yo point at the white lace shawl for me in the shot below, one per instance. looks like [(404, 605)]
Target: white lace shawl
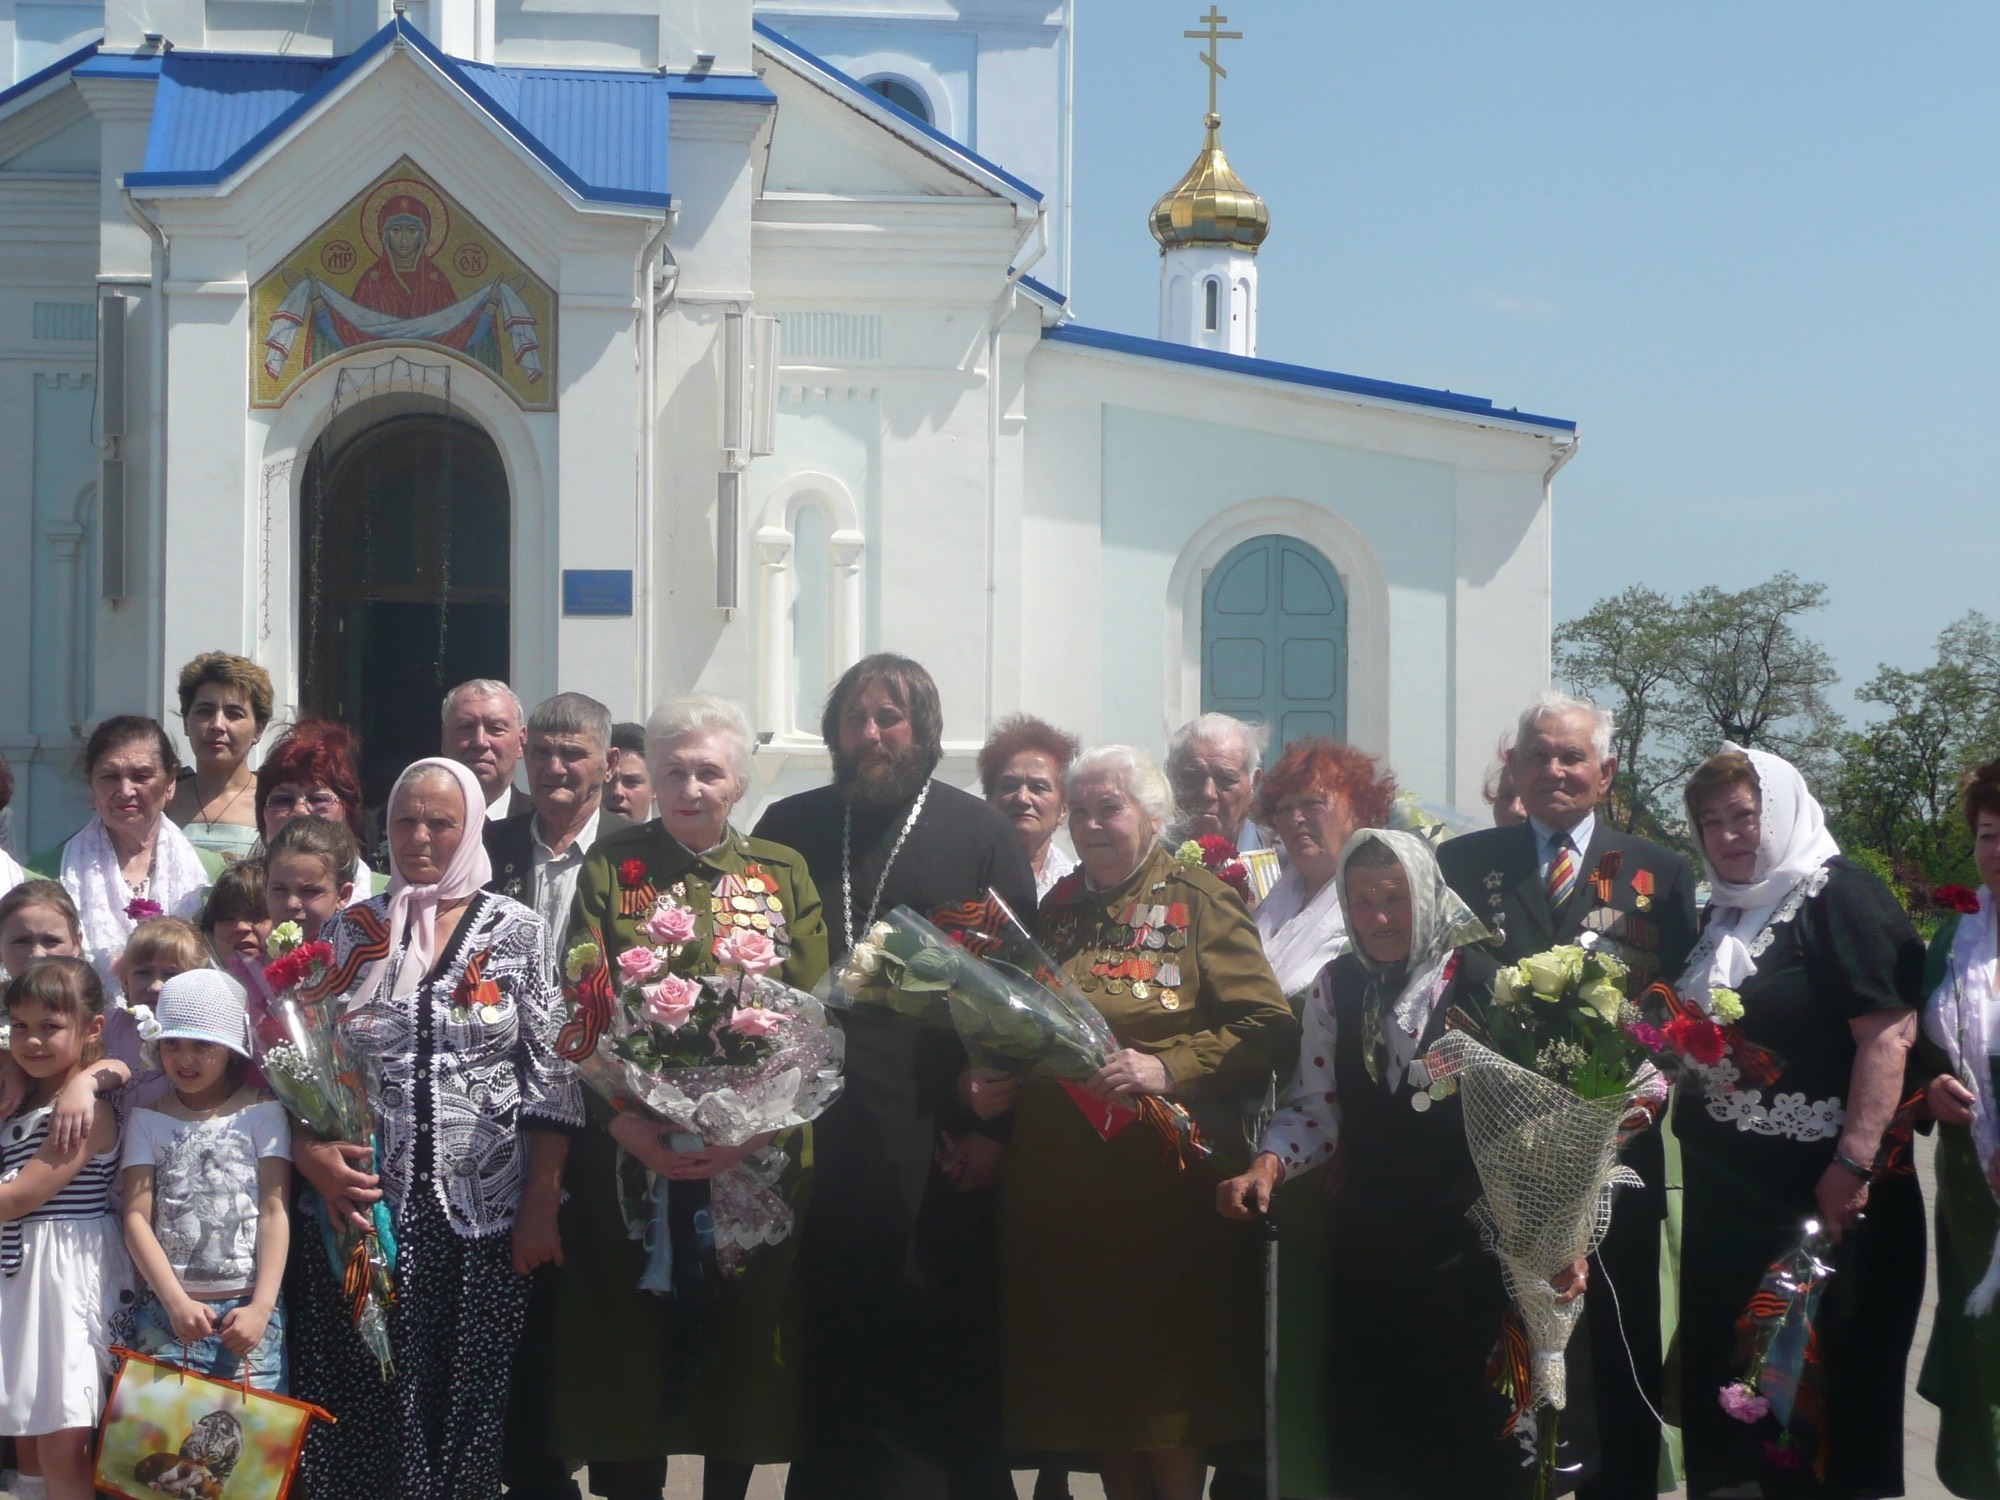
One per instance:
[(90, 873)]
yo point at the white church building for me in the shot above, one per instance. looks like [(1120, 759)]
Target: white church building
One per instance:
[(641, 346)]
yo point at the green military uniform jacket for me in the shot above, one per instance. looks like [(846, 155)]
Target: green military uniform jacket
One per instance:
[(609, 1362)]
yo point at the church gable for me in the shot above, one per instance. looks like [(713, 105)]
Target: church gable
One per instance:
[(53, 133), (829, 140), (403, 262)]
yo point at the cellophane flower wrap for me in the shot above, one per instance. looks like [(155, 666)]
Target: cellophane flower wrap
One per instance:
[(1013, 1007), (1552, 1082), (693, 1029), (333, 1089), (1777, 1343)]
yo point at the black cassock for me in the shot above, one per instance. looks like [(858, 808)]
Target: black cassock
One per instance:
[(901, 1343), (1643, 910)]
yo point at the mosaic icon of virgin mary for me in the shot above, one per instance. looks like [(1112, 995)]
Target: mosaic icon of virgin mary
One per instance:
[(405, 282), (415, 242)]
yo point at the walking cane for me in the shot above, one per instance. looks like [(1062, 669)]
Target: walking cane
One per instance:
[(1270, 1229)]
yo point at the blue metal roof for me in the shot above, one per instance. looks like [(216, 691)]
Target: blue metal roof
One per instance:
[(1271, 369), (873, 100), (603, 132), (53, 71), (1043, 290)]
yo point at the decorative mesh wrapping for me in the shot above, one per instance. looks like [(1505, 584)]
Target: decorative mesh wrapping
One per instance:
[(1548, 1160)]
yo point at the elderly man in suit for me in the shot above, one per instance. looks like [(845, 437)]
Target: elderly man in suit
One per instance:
[(1565, 876)]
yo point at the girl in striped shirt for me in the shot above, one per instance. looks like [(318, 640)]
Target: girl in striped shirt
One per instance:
[(63, 1266)]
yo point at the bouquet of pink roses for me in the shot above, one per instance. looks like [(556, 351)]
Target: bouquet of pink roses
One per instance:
[(696, 1032)]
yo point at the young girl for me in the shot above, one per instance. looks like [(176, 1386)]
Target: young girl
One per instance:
[(206, 1174), (63, 1268), (309, 873), (38, 920), (234, 920), (159, 948)]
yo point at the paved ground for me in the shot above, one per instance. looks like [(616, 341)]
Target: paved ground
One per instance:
[(1920, 1424), (1919, 1418)]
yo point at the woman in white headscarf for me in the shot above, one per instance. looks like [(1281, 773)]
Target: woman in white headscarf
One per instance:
[(451, 989), (1825, 968), (1417, 1303)]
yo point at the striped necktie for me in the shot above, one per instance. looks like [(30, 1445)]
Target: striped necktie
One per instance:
[(1562, 872)]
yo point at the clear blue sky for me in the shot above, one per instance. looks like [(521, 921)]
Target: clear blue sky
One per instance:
[(1753, 249)]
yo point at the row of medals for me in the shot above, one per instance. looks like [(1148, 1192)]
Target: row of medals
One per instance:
[(1123, 960), (749, 901)]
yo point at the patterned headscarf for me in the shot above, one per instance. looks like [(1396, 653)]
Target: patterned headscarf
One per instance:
[(1440, 924)]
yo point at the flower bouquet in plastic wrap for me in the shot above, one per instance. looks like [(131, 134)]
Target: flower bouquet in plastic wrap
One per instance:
[(1013, 1007), (697, 1033), (1777, 1344), (1553, 1081), (330, 1088)]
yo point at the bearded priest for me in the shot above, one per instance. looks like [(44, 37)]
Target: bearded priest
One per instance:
[(897, 1254)]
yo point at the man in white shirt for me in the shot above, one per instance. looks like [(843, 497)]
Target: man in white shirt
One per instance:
[(483, 730), (538, 852), (537, 855)]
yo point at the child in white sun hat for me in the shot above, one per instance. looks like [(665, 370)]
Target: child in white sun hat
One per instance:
[(206, 1172)]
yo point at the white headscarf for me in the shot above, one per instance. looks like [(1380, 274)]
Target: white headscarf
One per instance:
[(1302, 934), (1440, 924), (413, 908), (1792, 846), (96, 883)]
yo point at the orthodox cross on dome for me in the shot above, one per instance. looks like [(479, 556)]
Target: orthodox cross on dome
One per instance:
[(1213, 35)]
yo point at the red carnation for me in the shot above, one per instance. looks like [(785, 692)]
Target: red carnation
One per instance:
[(632, 874), (1236, 875), (1697, 1037), (284, 973), (139, 909), (1216, 850), (1958, 898)]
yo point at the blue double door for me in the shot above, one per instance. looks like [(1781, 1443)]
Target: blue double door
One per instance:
[(1274, 641)]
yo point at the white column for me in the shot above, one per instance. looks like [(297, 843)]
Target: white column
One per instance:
[(774, 555), (845, 547)]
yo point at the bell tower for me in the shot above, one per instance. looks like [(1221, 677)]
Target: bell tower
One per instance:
[(1209, 225)]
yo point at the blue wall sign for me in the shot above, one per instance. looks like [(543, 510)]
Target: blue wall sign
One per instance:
[(597, 591)]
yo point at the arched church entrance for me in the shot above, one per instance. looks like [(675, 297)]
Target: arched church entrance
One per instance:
[(1274, 640), (404, 572)]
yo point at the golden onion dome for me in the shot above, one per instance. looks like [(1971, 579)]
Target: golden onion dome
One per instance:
[(1210, 205)]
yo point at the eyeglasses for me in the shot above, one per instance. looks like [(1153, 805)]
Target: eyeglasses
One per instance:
[(319, 803)]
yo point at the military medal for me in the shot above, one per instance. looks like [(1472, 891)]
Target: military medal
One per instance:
[(1420, 1102), (490, 1014), (1642, 888), (1140, 989)]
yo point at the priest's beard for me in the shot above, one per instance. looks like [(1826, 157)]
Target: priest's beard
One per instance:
[(883, 779)]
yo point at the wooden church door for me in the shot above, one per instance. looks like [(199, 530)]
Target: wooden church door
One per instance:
[(1274, 640), (404, 580)]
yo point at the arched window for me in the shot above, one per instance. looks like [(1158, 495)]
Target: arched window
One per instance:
[(808, 601), (1212, 289), (905, 95)]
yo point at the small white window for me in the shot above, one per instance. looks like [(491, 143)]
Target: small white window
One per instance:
[(905, 96), (1213, 290)]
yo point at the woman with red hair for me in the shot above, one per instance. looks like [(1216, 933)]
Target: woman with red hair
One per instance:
[(313, 768), (1313, 799)]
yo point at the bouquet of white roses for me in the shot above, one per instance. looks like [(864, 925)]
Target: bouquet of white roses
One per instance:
[(1554, 1078)]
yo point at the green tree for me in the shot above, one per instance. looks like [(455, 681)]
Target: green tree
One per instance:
[(1620, 652), (1683, 675)]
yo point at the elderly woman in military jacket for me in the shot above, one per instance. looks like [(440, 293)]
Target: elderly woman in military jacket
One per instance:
[(622, 1400), (1105, 1227)]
